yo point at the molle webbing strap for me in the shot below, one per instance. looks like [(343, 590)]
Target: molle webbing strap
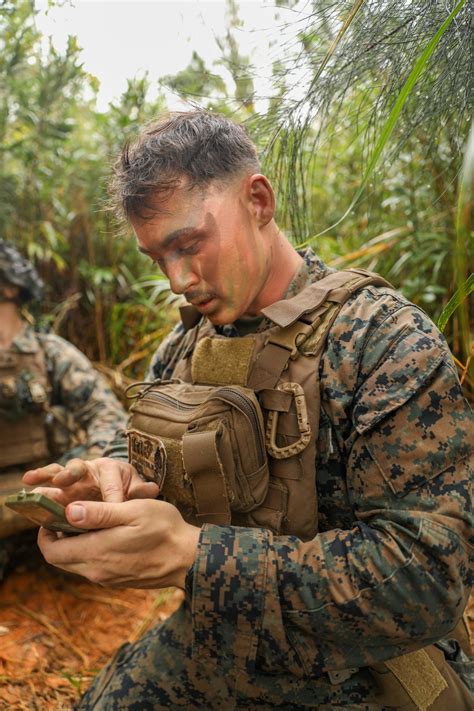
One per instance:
[(300, 316), (276, 400), (268, 368), (202, 465)]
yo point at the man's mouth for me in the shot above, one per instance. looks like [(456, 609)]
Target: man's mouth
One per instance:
[(201, 301), (205, 306)]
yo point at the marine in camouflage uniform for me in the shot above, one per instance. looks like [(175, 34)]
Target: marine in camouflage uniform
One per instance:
[(266, 617), (53, 403), (271, 619)]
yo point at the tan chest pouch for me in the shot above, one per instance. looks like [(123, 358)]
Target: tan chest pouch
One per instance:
[(204, 446)]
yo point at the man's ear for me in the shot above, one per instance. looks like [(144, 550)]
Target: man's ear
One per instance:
[(261, 198)]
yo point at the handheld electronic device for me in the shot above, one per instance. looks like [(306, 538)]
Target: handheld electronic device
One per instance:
[(41, 510)]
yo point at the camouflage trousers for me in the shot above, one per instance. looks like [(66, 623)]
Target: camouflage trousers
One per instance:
[(160, 672)]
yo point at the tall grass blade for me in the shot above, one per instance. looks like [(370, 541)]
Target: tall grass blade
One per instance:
[(455, 301), (354, 10), (345, 26), (465, 241), (389, 125)]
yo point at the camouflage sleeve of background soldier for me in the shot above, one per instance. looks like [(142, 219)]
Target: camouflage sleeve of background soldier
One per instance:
[(399, 578), (83, 392), (158, 368)]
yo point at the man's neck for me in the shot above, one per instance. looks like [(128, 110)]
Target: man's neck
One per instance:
[(11, 323), (286, 262)]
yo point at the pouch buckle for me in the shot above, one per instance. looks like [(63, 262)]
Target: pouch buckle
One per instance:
[(303, 425)]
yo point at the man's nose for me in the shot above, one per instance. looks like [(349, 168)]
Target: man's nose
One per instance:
[(181, 276)]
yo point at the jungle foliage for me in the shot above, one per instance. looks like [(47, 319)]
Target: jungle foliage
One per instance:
[(378, 137)]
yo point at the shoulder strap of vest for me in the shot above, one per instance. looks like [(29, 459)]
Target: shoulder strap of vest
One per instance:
[(311, 312), (336, 287)]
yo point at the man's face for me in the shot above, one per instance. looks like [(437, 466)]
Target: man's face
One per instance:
[(209, 245)]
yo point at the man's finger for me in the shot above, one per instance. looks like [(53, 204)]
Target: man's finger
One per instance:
[(95, 515), (53, 493), (140, 489), (74, 470), (45, 536), (114, 478), (41, 475), (73, 553), (65, 552)]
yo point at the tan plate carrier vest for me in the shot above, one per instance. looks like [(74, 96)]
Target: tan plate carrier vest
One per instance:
[(281, 365), (24, 440)]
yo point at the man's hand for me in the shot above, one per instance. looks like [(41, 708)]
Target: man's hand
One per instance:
[(103, 479), (136, 544)]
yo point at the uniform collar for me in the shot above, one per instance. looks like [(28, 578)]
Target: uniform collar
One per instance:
[(312, 269)]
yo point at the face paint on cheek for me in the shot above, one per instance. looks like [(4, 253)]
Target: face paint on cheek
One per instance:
[(209, 261)]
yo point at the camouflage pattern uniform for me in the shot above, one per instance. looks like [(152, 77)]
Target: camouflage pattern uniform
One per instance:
[(79, 390), (81, 413), (89, 416), (265, 617)]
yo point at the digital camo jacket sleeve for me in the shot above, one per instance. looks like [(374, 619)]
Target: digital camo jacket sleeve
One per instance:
[(83, 393), (394, 575)]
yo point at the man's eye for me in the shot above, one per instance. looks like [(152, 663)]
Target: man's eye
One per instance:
[(190, 248)]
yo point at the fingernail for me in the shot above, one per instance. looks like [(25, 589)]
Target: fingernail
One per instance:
[(77, 512)]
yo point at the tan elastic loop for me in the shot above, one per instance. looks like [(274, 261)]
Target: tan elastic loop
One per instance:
[(278, 400), (202, 465)]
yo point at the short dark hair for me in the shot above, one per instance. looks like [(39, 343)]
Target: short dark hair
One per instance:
[(198, 145)]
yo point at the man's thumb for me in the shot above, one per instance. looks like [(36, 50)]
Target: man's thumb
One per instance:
[(96, 514)]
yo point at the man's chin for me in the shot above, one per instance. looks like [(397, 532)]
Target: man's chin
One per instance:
[(218, 320), (221, 316)]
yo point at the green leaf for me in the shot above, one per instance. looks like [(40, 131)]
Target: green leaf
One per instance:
[(456, 300)]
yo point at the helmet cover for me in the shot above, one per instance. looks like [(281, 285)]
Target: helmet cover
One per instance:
[(18, 271)]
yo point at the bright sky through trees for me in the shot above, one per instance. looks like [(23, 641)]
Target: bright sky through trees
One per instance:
[(122, 39)]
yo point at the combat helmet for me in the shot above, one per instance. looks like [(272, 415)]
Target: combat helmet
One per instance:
[(18, 271)]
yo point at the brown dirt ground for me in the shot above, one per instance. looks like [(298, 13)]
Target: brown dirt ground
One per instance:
[(58, 630)]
